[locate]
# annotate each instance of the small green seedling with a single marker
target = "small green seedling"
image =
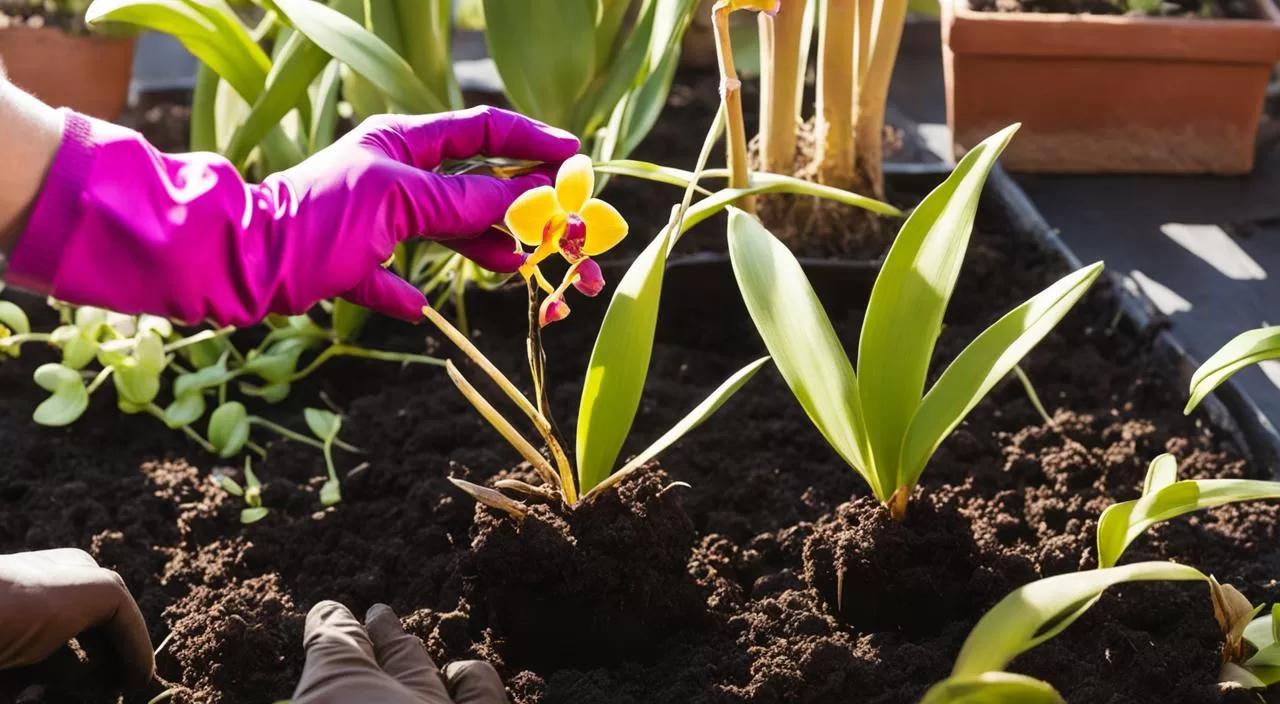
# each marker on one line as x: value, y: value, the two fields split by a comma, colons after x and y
x: 1261, y: 668
x: 1164, y: 498
x: 325, y: 426
x: 1245, y: 349
x: 1027, y: 617
x: 253, y: 511
x: 880, y: 420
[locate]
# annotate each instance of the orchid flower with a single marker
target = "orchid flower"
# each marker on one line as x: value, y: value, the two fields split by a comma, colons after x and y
x: 565, y: 219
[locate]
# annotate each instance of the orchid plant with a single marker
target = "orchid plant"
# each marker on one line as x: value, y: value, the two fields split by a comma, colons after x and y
x: 880, y: 420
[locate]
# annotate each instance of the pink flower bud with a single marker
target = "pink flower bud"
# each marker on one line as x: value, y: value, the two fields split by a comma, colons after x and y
x: 553, y: 309
x: 590, y: 280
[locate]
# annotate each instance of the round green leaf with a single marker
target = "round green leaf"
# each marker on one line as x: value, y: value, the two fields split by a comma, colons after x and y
x: 323, y: 424
x: 14, y: 318
x: 184, y: 410
x: 69, y: 399
x: 79, y: 350
x: 253, y: 515
x: 229, y: 428
x: 136, y: 385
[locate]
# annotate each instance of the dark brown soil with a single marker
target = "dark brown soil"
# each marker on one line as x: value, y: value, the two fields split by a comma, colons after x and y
x: 721, y: 592
x: 1205, y: 9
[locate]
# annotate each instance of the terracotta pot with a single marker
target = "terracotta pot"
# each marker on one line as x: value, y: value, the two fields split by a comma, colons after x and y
x: 1108, y: 93
x: 89, y: 74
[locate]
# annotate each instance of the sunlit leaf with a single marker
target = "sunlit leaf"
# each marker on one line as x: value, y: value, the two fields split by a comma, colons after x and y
x: 1245, y: 349
x: 800, y: 338
x: 992, y: 688
x: 910, y: 296
x: 229, y: 428
x: 1163, y: 499
x: 545, y: 58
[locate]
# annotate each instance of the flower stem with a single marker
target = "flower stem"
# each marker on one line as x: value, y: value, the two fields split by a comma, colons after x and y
x: 838, y: 46
x: 199, y: 337
x: 731, y: 95
x: 158, y: 412
x: 299, y: 437
x: 26, y: 337
x: 99, y: 379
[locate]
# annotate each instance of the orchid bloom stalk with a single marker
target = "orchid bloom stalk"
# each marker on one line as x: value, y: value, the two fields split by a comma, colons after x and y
x: 565, y: 219
x: 731, y: 91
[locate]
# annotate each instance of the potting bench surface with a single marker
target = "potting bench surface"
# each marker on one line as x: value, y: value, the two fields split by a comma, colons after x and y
x: 1205, y: 251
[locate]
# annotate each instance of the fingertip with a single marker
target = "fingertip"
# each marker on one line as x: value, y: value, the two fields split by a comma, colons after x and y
x: 382, y: 623
x: 383, y: 291
x: 474, y: 682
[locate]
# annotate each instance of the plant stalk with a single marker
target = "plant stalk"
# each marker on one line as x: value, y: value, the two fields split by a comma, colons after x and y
x: 731, y: 96
x: 837, y: 46
x: 508, y: 432
x: 873, y: 91
x: 783, y: 60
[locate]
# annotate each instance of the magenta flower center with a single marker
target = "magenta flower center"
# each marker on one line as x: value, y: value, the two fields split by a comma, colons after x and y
x: 574, y: 238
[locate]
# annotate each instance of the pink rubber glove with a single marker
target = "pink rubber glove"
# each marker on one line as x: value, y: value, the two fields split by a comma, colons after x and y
x: 122, y: 226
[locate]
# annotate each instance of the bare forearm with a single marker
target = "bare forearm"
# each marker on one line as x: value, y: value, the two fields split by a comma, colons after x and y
x: 30, y: 133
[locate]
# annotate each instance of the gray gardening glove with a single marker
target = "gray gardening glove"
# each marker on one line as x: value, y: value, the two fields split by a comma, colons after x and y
x: 379, y: 663
x: 48, y: 597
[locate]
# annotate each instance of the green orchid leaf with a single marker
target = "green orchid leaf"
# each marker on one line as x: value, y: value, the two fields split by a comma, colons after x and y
x: 800, y: 338
x: 253, y: 514
x: 915, y: 284
x: 619, y: 365
x: 621, y: 74
x: 14, y: 318
x: 701, y: 412
x: 426, y: 29
x: 208, y: 29
x: 1245, y: 349
x: 229, y: 428
x: 992, y: 688
x: 1042, y: 609
x: 68, y: 400
x: 184, y: 410
x: 299, y: 63
x: 987, y: 360
x: 323, y: 424
x: 1163, y: 499
x: 365, y: 52
x: 546, y: 56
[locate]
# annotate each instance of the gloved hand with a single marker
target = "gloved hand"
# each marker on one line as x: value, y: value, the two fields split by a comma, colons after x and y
x: 48, y: 597
x: 120, y: 225
x: 379, y: 662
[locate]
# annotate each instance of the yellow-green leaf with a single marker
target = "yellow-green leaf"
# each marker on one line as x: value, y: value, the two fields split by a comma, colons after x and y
x: 980, y: 367
x: 286, y: 85
x: 800, y: 338
x: 910, y: 296
x: 1245, y: 349
x: 992, y: 688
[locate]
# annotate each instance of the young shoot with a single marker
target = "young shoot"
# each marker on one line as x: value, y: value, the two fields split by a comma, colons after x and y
x: 251, y: 492
x: 880, y: 420
x: 1246, y: 349
x: 1164, y: 498
x: 1027, y: 617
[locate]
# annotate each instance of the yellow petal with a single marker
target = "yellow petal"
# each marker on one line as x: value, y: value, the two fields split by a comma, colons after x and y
x: 575, y: 182
x: 530, y: 213
x: 605, y: 226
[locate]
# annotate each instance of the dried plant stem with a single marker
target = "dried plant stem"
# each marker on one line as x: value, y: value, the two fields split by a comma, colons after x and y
x: 731, y: 95
x: 504, y: 428
x: 837, y: 48
x: 783, y: 59
x: 540, y: 421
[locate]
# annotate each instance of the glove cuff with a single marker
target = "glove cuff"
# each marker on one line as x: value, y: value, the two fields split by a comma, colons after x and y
x: 58, y: 209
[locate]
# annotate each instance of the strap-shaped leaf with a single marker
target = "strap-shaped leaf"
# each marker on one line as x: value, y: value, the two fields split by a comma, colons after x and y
x: 983, y: 364
x: 625, y: 72
x: 209, y: 30
x: 426, y: 31
x: 1041, y: 610
x: 1245, y: 349
x: 992, y: 688
x: 910, y: 296
x: 324, y: 118
x: 545, y: 53
x: 700, y: 413
x: 619, y: 365
x: 368, y: 55
x: 1164, y: 498
x: 299, y: 63
x: 800, y: 338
